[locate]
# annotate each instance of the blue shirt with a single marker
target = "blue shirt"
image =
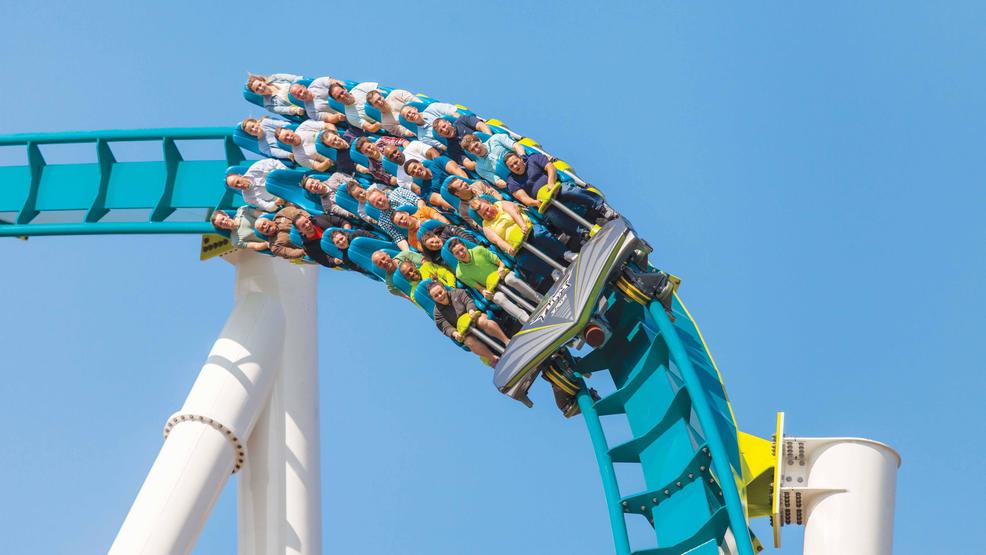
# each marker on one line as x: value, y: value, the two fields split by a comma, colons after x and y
x: 498, y: 146
x: 534, y: 177
x: 438, y: 175
x: 432, y: 112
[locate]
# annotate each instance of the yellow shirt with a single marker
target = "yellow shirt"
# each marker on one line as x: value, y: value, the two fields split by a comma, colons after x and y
x: 429, y: 269
x: 504, y: 226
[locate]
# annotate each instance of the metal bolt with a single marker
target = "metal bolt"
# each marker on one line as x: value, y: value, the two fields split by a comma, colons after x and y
x: 654, y: 500
x: 625, y: 503
x: 643, y: 508
x: 690, y: 475
x: 678, y: 484
x: 667, y: 492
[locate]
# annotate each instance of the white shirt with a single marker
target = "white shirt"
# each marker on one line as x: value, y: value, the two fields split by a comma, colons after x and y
x: 417, y: 150
x: 356, y: 112
x: 305, y: 154
x: 267, y: 143
x: 256, y: 194
x: 319, y: 104
x: 391, y: 120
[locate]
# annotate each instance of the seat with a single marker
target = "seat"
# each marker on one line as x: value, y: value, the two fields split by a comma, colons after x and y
x: 327, y: 246
x: 413, y: 127
x: 346, y: 201
x: 266, y: 216
x: 427, y: 226
x: 361, y: 252
x: 294, y: 100
x: 358, y: 157
x: 287, y: 185
x: 246, y: 141
x: 423, y: 299
x: 285, y: 146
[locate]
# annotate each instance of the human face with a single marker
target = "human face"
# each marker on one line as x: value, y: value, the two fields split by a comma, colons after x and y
x: 357, y: 192
x: 410, y: 273
x: 267, y: 227
x: 411, y: 114
x: 444, y: 128
x: 477, y: 148
x: 289, y: 137
x: 384, y: 261
x: 370, y: 151
x: 333, y: 140
x: 315, y: 186
x: 301, y: 92
x: 432, y: 242
x: 417, y: 169
x: 304, y: 225
x: 378, y: 200
x: 258, y: 86
x: 376, y: 100
x: 402, y: 219
x: 222, y: 220
x: 251, y: 127
x: 459, y: 188
x: 340, y: 240
x: 342, y: 95
x: 236, y: 181
x: 515, y: 164
x: 460, y: 252
x: 438, y: 294
x: 487, y: 211
x: 394, y: 154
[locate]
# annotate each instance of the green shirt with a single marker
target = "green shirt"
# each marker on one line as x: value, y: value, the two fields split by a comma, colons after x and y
x: 482, y: 263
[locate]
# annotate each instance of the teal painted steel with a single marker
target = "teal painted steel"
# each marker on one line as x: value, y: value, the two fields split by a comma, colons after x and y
x: 661, y: 370
x: 681, y: 448
x: 721, y: 456
x: 152, y: 190
x: 106, y: 228
x: 611, y: 487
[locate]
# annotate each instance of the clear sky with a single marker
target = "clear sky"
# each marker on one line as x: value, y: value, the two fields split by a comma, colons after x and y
x: 814, y: 174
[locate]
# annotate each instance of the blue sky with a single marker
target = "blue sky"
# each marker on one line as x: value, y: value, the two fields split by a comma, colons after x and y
x: 812, y: 172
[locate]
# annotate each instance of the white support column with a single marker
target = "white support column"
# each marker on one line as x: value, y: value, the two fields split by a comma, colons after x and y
x: 279, y: 489
x: 206, y: 440
x: 843, y: 491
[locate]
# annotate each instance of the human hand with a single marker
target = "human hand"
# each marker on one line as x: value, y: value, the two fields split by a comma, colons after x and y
x: 457, y: 336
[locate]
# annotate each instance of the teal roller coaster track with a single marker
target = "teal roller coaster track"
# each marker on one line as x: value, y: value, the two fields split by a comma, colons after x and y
x: 702, y: 484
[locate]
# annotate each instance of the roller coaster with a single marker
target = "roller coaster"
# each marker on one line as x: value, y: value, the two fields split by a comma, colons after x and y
x: 608, y: 311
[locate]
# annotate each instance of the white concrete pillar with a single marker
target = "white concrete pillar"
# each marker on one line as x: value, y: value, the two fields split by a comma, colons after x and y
x: 207, y: 439
x: 846, y: 488
x: 279, y: 489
